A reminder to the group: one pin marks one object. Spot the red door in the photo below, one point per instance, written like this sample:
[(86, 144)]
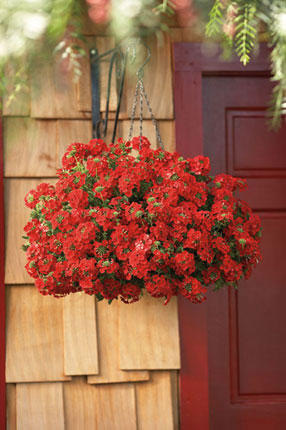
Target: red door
[(235, 376)]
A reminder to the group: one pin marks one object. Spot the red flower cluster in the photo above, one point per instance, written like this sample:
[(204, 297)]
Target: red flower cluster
[(116, 223)]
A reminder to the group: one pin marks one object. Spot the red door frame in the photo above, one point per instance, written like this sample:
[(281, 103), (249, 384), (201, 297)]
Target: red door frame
[(2, 294), (190, 66)]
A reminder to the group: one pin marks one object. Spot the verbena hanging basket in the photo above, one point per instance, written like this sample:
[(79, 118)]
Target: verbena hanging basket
[(115, 224)]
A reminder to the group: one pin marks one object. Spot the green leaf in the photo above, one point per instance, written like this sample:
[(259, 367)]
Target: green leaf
[(246, 30), (218, 284), (214, 25)]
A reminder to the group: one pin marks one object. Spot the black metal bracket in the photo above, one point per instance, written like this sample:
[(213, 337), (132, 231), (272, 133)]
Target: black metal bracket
[(118, 60)]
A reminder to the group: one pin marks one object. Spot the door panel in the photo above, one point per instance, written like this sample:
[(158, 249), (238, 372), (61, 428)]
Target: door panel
[(260, 305), (247, 328), (252, 148)]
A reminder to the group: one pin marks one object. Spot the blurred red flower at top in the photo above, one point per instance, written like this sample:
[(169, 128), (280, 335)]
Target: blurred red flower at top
[(98, 10), (184, 10), (181, 4)]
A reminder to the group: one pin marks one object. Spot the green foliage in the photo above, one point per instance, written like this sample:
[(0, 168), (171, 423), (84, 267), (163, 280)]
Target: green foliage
[(227, 46), (245, 30), (166, 6), (276, 22), (61, 13), (214, 26), (34, 32), (278, 101), (242, 16), (236, 22), (31, 33)]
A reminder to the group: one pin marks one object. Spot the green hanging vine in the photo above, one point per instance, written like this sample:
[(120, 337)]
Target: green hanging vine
[(246, 30), (237, 23), (213, 27), (34, 32)]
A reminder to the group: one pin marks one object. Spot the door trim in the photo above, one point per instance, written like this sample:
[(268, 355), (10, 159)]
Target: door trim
[(190, 65)]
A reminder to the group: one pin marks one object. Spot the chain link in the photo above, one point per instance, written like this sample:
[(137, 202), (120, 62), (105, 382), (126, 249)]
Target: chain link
[(141, 111), (134, 105), (154, 121), (143, 95)]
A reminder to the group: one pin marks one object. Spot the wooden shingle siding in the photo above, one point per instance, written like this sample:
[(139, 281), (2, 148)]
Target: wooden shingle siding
[(29, 147), (73, 363), (154, 403), (40, 406), (34, 346), (109, 346), (53, 94), (11, 418), (157, 328), (99, 407), (80, 335), (19, 104)]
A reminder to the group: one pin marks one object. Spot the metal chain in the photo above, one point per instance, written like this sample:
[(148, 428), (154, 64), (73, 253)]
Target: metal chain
[(142, 93), (154, 121), (142, 96), (134, 105), (141, 111)]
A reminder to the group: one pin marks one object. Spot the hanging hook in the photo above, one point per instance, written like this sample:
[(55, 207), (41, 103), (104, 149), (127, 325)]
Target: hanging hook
[(140, 71), (118, 63)]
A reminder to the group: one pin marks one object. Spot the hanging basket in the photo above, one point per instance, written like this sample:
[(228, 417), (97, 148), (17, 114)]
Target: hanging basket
[(115, 224)]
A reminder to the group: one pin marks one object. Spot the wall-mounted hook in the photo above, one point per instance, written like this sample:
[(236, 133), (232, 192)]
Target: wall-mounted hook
[(118, 60)]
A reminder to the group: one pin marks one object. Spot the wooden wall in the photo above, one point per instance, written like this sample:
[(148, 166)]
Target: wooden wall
[(73, 363)]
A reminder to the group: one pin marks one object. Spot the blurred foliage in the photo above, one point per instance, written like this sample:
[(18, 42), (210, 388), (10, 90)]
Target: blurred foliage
[(33, 32), (238, 23)]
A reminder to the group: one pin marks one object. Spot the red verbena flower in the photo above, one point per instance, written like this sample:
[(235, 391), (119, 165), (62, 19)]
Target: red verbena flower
[(124, 218)]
